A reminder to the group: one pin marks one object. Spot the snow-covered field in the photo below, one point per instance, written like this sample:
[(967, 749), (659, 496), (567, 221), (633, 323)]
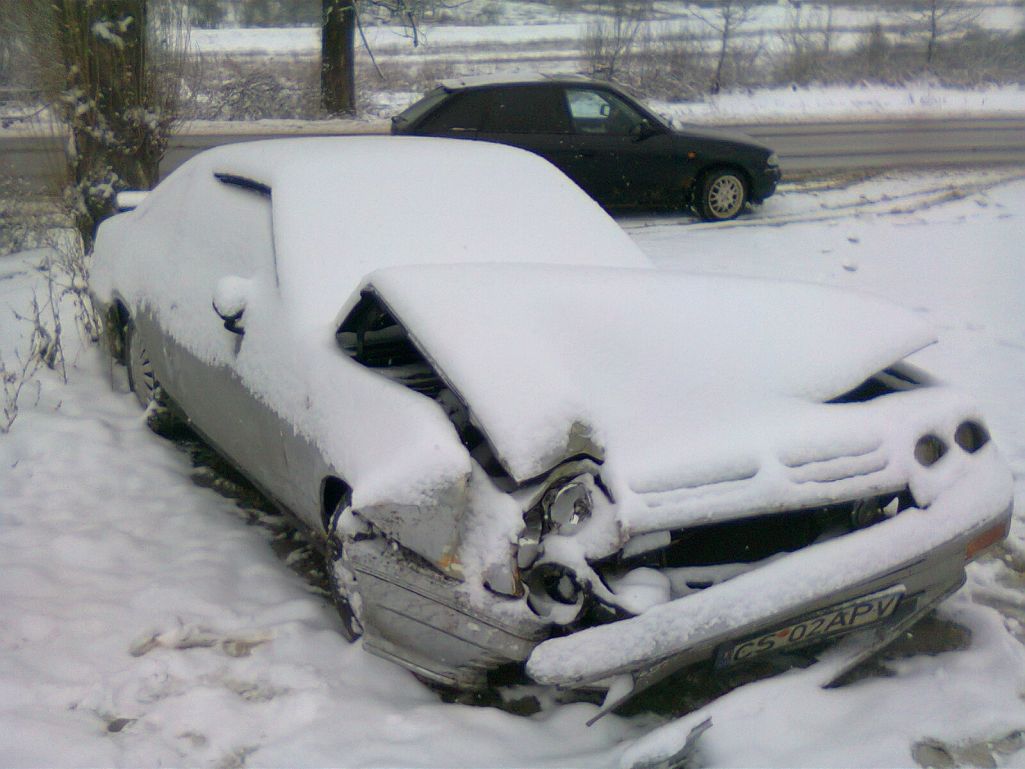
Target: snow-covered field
[(511, 36), (531, 36), (144, 622), (514, 25)]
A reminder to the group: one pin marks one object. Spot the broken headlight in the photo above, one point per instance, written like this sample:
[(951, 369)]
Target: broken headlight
[(561, 509), (566, 506), (971, 436), (555, 593), (929, 450)]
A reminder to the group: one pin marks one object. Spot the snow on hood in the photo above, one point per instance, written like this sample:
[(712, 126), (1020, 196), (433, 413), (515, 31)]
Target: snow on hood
[(642, 359)]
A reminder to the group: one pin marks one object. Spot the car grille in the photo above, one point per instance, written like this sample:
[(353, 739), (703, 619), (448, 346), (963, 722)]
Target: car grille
[(745, 489), (831, 467)]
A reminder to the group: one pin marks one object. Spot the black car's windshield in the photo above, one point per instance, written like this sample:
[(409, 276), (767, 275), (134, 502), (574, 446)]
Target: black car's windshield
[(638, 102)]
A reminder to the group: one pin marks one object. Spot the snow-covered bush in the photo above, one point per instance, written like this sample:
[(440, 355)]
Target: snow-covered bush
[(112, 79)]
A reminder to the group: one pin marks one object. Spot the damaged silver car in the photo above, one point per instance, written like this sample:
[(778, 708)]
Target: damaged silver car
[(519, 443)]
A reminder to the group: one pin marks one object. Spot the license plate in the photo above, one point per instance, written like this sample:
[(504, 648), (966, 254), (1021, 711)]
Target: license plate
[(836, 620)]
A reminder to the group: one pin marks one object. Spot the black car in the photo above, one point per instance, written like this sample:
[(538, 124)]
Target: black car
[(617, 150)]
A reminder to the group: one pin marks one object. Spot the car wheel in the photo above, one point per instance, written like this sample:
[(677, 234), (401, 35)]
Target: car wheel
[(722, 196), (141, 379)]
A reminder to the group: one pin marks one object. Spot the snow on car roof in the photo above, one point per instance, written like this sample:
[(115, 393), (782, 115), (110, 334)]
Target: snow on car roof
[(343, 207)]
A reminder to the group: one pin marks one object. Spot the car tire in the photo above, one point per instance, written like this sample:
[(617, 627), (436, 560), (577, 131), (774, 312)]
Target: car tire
[(162, 415), (722, 195), (141, 379)]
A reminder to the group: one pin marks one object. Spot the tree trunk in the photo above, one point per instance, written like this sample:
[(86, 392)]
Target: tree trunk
[(723, 47), (933, 31), (337, 64), (114, 142)]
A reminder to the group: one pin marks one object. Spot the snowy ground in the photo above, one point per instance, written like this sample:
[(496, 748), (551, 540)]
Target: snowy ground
[(144, 622)]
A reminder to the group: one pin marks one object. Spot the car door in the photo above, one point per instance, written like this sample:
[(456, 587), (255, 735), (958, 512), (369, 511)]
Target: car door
[(228, 242), (532, 117), (618, 155)]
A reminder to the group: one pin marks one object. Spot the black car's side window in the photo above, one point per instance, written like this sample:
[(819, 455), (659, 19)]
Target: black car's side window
[(462, 112), (601, 112), (526, 109)]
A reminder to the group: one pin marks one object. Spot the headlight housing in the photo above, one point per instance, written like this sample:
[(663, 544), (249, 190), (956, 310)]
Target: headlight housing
[(772, 160), (929, 450), (971, 436), (566, 506)]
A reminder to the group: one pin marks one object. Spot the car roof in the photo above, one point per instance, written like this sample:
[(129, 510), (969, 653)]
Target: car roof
[(516, 77), (345, 206)]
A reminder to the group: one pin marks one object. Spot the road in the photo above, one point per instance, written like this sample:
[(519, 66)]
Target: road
[(804, 148), (810, 147)]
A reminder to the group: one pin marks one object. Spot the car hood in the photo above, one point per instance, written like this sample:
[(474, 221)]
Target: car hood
[(718, 135), (635, 363)]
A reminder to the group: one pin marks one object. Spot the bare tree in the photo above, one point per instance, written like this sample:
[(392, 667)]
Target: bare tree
[(725, 17), (806, 40), (876, 50), (939, 19), (609, 39), (9, 45), (342, 20), (668, 63), (206, 13), (94, 63)]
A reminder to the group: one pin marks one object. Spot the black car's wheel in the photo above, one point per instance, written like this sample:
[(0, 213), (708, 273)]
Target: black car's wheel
[(141, 379), (722, 195)]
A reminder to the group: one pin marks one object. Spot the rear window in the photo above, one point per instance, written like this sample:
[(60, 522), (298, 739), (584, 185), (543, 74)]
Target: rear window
[(462, 112), (418, 109)]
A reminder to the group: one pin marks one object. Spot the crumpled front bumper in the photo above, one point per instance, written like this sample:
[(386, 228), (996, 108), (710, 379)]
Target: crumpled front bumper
[(924, 550)]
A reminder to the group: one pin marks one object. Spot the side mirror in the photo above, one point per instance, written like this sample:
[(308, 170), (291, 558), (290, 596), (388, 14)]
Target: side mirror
[(231, 294)]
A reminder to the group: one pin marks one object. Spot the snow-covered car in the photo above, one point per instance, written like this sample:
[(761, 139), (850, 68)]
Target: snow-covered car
[(518, 442)]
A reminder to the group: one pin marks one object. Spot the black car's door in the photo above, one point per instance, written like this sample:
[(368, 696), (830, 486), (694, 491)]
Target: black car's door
[(618, 155), (532, 117)]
